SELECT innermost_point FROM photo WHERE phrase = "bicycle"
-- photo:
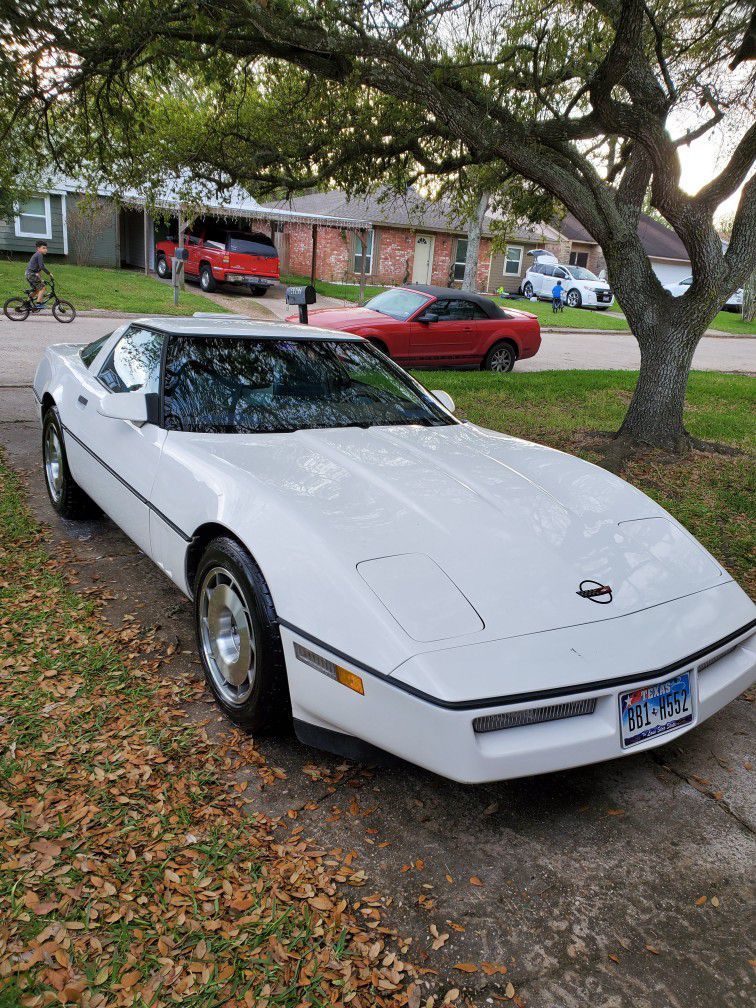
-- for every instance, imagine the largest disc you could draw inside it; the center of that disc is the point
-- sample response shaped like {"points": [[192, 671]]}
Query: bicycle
{"points": [[18, 309]]}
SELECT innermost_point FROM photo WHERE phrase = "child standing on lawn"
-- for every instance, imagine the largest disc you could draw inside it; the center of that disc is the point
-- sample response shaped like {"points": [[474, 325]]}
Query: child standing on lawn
{"points": [[34, 268], [556, 296]]}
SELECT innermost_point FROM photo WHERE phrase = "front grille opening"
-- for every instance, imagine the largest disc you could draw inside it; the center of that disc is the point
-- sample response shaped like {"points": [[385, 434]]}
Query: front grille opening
{"points": [[716, 658], [533, 715]]}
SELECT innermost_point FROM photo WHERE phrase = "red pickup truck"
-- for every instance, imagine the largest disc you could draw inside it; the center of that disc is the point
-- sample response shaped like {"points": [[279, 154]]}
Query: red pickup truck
{"points": [[218, 256]]}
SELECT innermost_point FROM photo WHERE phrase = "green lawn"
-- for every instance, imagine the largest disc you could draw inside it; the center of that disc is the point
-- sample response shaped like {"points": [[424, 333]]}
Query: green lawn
{"points": [[732, 322], [568, 318], [88, 287], [712, 494], [346, 292]]}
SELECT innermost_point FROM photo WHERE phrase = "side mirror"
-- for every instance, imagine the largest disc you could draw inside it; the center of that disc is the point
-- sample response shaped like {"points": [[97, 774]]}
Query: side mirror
{"points": [[428, 317], [445, 399], [138, 407]]}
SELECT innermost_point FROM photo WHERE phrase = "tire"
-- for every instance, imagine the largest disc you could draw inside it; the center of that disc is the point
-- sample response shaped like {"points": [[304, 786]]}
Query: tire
{"points": [[573, 299], [527, 289], [238, 639], [258, 290], [65, 494], [206, 279], [16, 309], [501, 357], [162, 267], [64, 311]]}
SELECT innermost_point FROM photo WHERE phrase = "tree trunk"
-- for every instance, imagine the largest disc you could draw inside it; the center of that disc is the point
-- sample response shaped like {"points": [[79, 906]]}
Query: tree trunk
{"points": [[749, 298], [475, 226], [655, 415]]}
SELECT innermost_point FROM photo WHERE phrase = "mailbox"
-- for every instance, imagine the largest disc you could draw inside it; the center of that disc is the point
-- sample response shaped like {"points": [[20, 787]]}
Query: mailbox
{"points": [[301, 297], [182, 254]]}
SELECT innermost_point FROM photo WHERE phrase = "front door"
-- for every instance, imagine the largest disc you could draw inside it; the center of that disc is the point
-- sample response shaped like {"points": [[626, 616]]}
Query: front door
{"points": [[123, 456], [422, 266], [451, 337]]}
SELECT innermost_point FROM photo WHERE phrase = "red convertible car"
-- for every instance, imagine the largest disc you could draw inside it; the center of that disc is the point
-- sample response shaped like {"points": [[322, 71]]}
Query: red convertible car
{"points": [[420, 326]]}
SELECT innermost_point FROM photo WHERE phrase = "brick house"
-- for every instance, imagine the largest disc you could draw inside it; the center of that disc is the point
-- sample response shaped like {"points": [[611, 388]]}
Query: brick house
{"points": [[412, 241]]}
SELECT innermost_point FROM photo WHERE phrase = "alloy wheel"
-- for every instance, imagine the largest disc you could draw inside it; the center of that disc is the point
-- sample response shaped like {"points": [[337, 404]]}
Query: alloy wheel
{"points": [[53, 462], [501, 359], [227, 636]]}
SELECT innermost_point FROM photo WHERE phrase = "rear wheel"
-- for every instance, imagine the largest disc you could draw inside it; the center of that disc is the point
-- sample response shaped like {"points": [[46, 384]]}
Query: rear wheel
{"points": [[527, 289], [574, 300], [163, 267], [238, 638], [207, 280], [64, 311], [379, 345], [65, 494], [16, 309], [501, 357], [258, 290]]}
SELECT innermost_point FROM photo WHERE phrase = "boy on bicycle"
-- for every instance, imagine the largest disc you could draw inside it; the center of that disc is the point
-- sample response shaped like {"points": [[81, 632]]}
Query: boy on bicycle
{"points": [[34, 268]]}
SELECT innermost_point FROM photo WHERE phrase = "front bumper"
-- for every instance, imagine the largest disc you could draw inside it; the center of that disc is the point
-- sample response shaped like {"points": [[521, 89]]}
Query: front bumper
{"points": [[441, 738]]}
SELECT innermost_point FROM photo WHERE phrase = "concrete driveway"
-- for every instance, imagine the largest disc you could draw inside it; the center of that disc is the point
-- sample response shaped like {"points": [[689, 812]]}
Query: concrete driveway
{"points": [[622, 885], [23, 342]]}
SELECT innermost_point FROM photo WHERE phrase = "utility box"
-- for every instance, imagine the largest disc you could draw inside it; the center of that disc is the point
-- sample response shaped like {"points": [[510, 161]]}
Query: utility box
{"points": [[301, 297]]}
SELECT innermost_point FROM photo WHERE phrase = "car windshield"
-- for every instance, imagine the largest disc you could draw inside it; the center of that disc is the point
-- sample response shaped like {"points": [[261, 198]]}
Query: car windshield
{"points": [[242, 385], [582, 274], [397, 303]]}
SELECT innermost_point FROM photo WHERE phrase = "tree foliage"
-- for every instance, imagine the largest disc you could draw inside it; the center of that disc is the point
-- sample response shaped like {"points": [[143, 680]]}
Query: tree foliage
{"points": [[586, 104]]}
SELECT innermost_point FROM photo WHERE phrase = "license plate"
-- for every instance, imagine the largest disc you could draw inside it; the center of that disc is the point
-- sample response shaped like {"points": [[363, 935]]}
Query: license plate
{"points": [[655, 710]]}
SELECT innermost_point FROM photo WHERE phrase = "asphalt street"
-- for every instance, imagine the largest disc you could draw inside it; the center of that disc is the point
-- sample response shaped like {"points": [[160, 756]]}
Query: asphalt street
{"points": [[21, 344], [592, 881]]}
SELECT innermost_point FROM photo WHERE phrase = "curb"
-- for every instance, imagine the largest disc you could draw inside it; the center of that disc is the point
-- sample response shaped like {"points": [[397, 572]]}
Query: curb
{"points": [[709, 334]]}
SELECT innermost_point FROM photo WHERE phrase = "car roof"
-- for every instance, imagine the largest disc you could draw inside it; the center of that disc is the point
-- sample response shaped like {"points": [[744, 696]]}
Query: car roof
{"points": [[208, 324], [484, 303]]}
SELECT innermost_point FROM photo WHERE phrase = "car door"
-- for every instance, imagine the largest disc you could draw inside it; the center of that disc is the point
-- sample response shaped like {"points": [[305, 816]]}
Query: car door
{"points": [[123, 457], [446, 338], [545, 280]]}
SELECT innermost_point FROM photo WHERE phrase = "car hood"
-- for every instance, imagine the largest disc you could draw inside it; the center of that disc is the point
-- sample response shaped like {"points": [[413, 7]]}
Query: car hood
{"points": [[456, 531], [343, 318]]}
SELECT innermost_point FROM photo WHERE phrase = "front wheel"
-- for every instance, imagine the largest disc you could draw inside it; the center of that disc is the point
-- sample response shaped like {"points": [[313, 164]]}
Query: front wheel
{"points": [[16, 309], [527, 289], [207, 280], [64, 311], [574, 300], [163, 268], [238, 638], [65, 494], [258, 290], [501, 357]]}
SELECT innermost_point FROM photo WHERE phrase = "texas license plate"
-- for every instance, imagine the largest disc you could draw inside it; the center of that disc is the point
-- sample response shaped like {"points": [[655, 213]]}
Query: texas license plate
{"points": [[655, 710]]}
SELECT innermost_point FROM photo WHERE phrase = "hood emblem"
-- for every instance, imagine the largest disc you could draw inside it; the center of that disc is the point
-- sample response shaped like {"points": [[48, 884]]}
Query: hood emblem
{"points": [[595, 591]]}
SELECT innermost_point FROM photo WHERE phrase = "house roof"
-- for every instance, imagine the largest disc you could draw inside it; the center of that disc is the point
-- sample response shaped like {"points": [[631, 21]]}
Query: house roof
{"points": [[235, 203], [405, 210], [659, 241]]}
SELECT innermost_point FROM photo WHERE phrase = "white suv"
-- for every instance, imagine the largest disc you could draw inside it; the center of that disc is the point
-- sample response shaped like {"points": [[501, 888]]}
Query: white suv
{"points": [[583, 288], [733, 303]]}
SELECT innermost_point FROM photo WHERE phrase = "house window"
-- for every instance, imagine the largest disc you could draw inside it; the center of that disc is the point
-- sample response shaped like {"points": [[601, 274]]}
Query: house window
{"points": [[33, 218], [513, 260], [458, 271], [579, 259], [368, 253]]}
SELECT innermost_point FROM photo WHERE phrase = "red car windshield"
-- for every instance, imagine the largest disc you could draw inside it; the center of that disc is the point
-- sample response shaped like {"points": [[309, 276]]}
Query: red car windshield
{"points": [[397, 303]]}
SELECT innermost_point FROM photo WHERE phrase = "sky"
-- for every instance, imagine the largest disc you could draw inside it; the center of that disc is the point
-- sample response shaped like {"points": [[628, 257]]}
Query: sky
{"points": [[702, 161]]}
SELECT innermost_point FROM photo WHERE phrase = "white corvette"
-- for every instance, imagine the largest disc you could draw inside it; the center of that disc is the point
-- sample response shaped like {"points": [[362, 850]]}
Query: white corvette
{"points": [[391, 577]]}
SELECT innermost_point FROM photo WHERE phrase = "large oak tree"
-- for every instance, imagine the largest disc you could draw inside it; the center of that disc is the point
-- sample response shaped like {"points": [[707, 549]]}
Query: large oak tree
{"points": [[587, 103]]}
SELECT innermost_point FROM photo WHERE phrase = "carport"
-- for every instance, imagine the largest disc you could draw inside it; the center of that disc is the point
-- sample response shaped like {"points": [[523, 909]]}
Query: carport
{"points": [[142, 217]]}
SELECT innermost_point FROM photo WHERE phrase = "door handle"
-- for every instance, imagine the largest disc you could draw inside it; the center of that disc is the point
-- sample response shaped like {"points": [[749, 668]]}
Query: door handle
{"points": [[83, 400]]}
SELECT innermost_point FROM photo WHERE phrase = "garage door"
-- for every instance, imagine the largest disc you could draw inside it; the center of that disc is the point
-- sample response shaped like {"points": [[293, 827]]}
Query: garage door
{"points": [[671, 272]]}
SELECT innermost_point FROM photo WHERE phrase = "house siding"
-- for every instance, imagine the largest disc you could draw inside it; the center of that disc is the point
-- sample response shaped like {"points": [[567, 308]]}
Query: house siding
{"points": [[511, 283], [10, 242], [105, 248]]}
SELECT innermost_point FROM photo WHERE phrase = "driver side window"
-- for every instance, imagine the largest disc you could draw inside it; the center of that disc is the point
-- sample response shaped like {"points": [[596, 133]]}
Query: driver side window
{"points": [[133, 365]]}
